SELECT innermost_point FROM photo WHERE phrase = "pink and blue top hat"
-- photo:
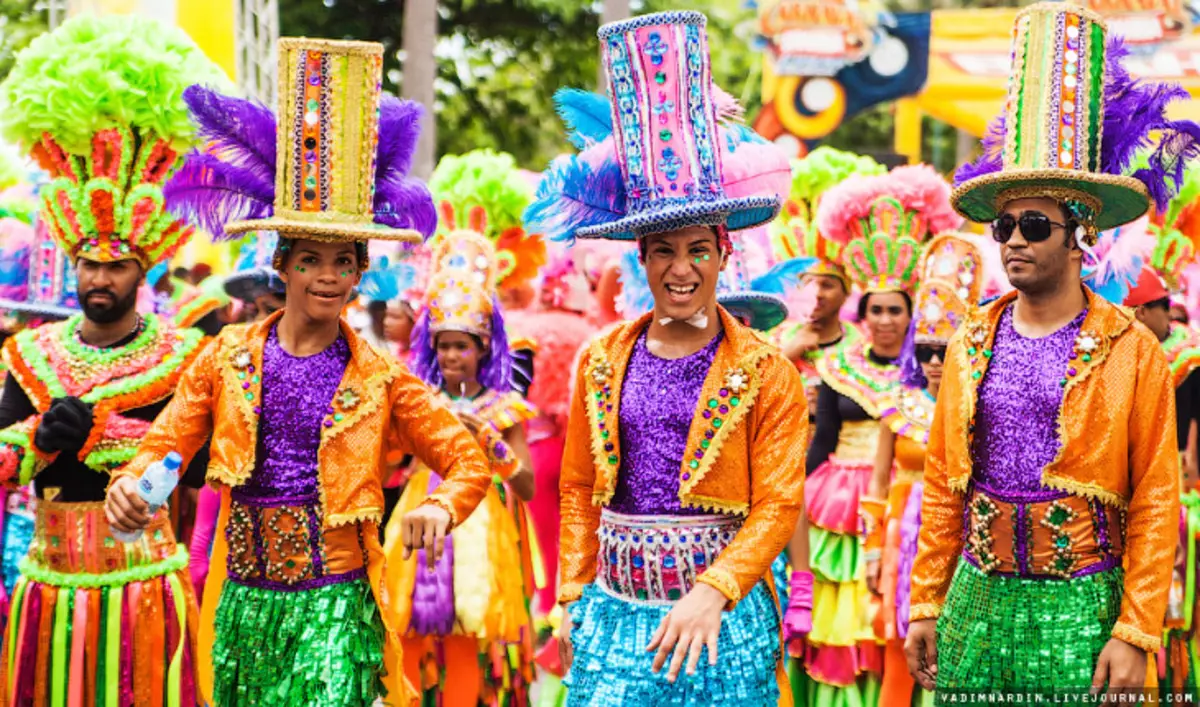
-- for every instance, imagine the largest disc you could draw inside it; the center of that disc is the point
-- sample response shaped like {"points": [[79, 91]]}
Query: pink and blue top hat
{"points": [[668, 154], [36, 278]]}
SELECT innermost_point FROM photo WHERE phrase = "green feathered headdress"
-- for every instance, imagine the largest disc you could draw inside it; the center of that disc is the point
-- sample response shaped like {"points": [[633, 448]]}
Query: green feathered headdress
{"points": [[491, 181], [99, 104], [794, 233]]}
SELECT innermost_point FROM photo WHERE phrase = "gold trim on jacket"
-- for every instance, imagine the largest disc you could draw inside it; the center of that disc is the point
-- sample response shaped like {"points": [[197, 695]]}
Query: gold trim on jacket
{"points": [[745, 453], [1116, 426]]}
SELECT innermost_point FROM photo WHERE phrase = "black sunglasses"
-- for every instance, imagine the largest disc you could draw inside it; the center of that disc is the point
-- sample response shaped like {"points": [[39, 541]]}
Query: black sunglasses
{"points": [[1035, 226], [926, 352]]}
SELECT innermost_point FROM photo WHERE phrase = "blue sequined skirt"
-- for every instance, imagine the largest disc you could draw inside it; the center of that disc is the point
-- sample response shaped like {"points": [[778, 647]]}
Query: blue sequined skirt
{"points": [[613, 667]]}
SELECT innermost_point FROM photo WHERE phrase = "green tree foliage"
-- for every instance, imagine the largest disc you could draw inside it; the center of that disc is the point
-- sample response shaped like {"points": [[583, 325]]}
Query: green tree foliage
{"points": [[500, 61], [20, 22]]}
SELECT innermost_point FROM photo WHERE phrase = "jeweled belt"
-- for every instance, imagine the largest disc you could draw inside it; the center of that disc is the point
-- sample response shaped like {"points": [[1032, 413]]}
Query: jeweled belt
{"points": [[278, 543], [74, 538], [1031, 536], [657, 559]]}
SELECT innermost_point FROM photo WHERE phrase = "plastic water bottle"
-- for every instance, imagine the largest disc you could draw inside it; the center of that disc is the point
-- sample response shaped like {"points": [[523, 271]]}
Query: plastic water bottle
{"points": [[155, 488]]}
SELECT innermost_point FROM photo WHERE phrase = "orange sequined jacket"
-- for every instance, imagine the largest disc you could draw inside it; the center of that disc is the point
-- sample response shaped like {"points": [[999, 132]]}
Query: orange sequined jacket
{"points": [[1117, 429], [379, 407], [753, 466]]}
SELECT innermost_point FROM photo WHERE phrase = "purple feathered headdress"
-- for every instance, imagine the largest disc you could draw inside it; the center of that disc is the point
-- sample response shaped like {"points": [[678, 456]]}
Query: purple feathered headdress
{"points": [[495, 369], [233, 177], [1135, 117]]}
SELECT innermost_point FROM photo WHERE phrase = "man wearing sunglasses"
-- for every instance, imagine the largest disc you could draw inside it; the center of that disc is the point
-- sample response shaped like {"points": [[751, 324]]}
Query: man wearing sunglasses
{"points": [[1051, 503]]}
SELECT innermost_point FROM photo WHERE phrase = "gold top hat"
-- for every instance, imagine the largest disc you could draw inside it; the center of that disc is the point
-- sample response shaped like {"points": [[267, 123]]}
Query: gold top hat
{"points": [[951, 273], [1054, 119], [328, 142]]}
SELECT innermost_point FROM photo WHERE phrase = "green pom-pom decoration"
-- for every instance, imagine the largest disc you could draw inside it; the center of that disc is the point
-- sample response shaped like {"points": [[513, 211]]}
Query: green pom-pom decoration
{"points": [[482, 178], [94, 73], [825, 168]]}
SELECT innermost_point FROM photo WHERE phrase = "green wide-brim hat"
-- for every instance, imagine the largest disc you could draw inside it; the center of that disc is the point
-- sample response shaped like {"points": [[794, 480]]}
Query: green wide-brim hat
{"points": [[1115, 200], [1054, 123]]}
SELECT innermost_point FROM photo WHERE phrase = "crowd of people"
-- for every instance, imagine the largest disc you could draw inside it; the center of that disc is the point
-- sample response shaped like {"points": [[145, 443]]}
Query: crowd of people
{"points": [[678, 421]]}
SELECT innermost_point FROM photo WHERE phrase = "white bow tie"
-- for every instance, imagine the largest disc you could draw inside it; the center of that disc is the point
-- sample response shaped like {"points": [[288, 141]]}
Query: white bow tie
{"points": [[698, 320]]}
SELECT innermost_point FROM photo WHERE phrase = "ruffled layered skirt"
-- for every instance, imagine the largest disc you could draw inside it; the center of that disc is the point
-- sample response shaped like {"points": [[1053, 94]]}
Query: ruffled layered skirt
{"points": [[842, 658]]}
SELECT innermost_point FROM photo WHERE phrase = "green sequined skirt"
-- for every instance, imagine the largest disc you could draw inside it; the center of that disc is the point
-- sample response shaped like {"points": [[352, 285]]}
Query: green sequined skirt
{"points": [[1021, 634], [320, 646]]}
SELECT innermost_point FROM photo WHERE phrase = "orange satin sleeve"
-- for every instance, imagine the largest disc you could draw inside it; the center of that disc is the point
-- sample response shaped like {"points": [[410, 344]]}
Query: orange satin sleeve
{"points": [[580, 518], [1152, 518], [778, 440], [437, 437], [187, 421], [940, 540]]}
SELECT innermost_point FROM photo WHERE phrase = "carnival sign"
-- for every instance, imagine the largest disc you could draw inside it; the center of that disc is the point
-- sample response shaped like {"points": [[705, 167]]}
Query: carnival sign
{"points": [[813, 37]]}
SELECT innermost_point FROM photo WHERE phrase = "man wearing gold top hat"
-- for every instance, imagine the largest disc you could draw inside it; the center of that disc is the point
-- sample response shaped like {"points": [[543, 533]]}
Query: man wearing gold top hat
{"points": [[1050, 510], [302, 412], [96, 619]]}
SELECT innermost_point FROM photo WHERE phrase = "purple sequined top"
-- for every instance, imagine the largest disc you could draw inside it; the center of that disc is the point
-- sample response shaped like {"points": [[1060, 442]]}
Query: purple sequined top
{"points": [[658, 402], [296, 393], [1019, 401]]}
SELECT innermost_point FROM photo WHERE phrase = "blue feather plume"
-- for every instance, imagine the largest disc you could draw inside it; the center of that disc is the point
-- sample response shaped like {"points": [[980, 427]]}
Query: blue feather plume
{"points": [[587, 115], [573, 195], [782, 276], [636, 297]]}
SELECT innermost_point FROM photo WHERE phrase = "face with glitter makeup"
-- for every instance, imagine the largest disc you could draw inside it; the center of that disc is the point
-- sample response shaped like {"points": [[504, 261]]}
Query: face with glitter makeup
{"points": [[320, 278], [682, 268], [458, 357]]}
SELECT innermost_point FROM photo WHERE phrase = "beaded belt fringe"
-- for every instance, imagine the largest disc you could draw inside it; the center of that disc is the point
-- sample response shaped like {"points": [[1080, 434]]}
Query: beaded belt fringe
{"points": [[1032, 536], [278, 543], [656, 559]]}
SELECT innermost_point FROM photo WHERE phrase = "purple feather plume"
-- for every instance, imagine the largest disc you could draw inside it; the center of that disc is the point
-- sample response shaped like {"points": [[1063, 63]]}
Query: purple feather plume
{"points": [[1134, 119], [495, 373], [399, 130], [433, 592], [405, 202], [911, 373], [241, 132], [210, 193]]}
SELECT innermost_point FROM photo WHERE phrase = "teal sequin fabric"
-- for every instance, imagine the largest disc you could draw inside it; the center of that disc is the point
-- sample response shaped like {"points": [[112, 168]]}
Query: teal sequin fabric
{"points": [[613, 667], [314, 647], [1007, 633]]}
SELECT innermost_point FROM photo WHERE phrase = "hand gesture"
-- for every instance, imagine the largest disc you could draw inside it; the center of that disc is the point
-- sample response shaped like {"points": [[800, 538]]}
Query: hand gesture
{"points": [[693, 623], [425, 528], [920, 648], [1121, 666]]}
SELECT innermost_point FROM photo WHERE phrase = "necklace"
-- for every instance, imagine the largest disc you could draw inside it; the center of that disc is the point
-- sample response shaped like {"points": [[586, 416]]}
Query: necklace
{"points": [[137, 329]]}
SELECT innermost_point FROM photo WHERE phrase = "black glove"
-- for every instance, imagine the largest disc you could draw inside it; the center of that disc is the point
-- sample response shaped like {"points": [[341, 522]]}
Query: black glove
{"points": [[65, 427]]}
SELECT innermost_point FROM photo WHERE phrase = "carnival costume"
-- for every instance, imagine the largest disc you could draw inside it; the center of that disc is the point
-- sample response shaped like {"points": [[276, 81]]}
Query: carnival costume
{"points": [[17, 238], [468, 636], [951, 280], [1063, 534], [640, 527], [295, 610], [794, 233], [1175, 249], [881, 223], [97, 103]]}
